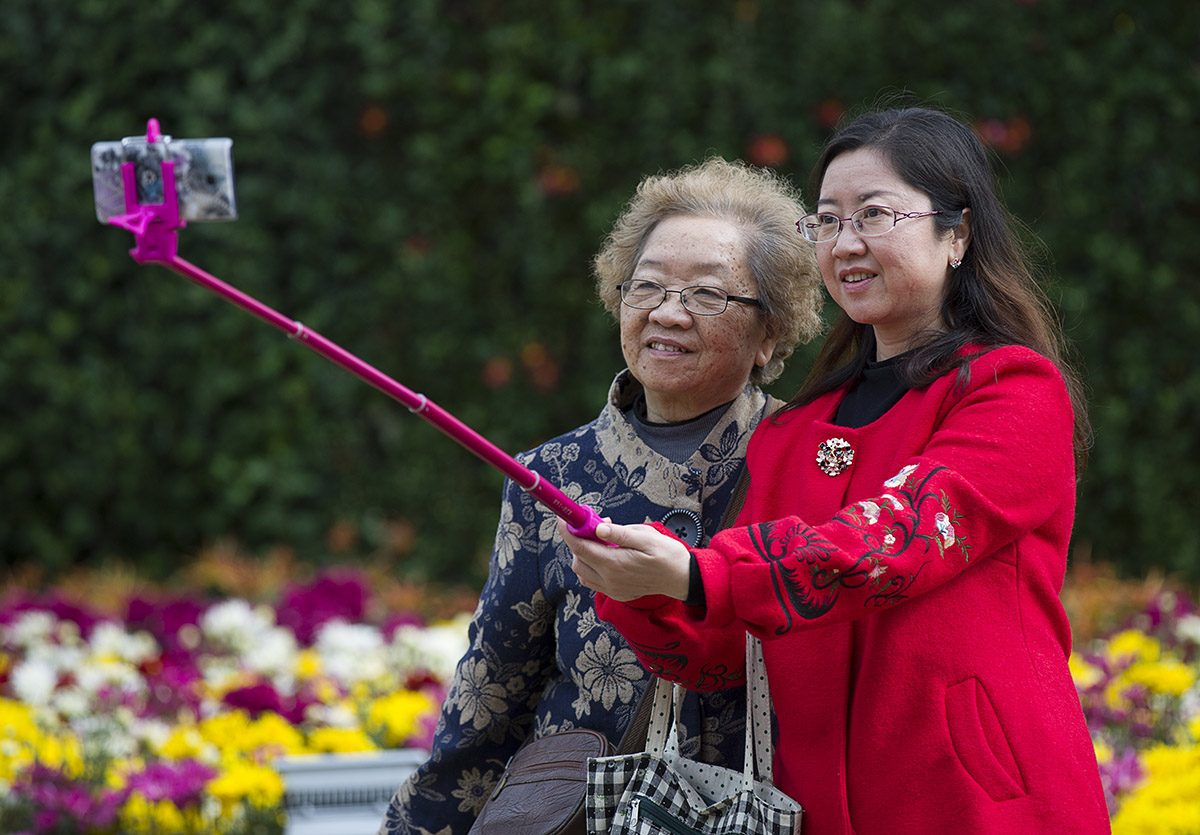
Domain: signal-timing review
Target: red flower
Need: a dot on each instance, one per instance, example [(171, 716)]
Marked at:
[(373, 121), (829, 112), (557, 180), (767, 149), (497, 372), (1009, 137)]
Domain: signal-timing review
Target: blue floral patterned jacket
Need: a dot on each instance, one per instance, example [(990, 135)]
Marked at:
[(540, 660)]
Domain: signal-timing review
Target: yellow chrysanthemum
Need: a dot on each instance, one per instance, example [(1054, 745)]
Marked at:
[(308, 664), (235, 734), (162, 817), (247, 782), (1085, 675), (1104, 751), (61, 752), (1169, 675), (20, 737), (185, 742), (394, 718), (326, 691), (1168, 801), (339, 741), (1132, 645)]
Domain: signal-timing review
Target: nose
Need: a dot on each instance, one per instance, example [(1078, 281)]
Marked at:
[(848, 242), (671, 311)]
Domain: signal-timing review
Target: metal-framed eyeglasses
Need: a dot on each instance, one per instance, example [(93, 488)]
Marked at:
[(869, 221), (699, 299)]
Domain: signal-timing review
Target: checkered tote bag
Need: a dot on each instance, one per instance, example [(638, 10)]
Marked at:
[(659, 792)]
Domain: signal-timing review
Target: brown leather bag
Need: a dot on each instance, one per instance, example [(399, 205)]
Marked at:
[(543, 789)]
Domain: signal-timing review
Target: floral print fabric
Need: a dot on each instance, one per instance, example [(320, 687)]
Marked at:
[(540, 660)]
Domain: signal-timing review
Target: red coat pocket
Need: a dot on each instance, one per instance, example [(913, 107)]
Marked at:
[(979, 741)]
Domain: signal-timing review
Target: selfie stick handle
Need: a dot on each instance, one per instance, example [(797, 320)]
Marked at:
[(155, 227)]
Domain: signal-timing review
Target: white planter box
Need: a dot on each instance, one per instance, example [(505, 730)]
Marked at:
[(343, 794)]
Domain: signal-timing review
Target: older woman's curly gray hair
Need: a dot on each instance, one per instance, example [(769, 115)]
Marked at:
[(765, 207)]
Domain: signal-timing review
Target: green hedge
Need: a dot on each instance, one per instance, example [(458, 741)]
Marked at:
[(425, 183)]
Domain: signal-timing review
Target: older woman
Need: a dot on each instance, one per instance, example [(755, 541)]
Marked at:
[(904, 538), (712, 289)]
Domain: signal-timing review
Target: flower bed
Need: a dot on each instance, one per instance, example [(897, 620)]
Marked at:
[(165, 712), (1140, 693)]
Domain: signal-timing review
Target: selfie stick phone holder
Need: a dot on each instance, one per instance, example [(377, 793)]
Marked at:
[(155, 229)]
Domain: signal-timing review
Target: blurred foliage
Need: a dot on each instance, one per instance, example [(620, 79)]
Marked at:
[(425, 183)]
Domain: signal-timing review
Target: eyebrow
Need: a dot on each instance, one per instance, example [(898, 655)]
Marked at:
[(712, 268), (862, 198)]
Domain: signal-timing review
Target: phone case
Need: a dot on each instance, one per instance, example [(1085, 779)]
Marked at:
[(203, 175), (106, 179), (204, 178)]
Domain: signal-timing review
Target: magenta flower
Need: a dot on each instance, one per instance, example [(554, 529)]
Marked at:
[(174, 622), (397, 619), (334, 595), (259, 698), (57, 802), (182, 782), (58, 606), (1120, 775), (172, 684)]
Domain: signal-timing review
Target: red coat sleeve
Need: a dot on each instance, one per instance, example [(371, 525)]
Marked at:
[(997, 465)]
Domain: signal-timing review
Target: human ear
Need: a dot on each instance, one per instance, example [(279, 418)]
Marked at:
[(961, 238)]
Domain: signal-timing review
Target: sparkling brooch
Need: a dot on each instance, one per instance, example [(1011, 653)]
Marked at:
[(834, 456)]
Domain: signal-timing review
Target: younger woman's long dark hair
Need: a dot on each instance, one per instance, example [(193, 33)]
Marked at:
[(993, 298)]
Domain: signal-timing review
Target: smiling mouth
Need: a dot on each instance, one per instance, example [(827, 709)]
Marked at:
[(857, 278), (659, 346)]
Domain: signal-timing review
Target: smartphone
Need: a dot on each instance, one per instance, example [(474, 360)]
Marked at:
[(203, 175)]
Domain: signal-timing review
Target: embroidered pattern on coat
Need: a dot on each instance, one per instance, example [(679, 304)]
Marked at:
[(891, 532)]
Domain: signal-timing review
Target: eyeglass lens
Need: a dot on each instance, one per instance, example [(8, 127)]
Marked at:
[(868, 221), (700, 299)]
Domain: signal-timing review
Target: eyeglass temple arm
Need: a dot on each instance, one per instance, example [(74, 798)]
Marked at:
[(155, 228)]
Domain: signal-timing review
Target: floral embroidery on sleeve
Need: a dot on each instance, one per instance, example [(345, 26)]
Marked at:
[(892, 533)]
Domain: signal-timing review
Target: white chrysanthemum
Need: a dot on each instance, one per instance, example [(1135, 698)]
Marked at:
[(106, 737), (351, 652), (435, 649), (273, 653), (68, 634), (61, 658), (107, 672), (236, 625), (152, 730), (1188, 628), (71, 702), (33, 681), (29, 629), (337, 715), (110, 640)]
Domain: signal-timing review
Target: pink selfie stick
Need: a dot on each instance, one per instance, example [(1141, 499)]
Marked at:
[(155, 228)]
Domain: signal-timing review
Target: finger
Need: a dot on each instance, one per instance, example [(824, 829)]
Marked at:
[(586, 574), (633, 537)]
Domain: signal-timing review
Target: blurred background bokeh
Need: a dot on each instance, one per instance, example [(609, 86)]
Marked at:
[(425, 183)]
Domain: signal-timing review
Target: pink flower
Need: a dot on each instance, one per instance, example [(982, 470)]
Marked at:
[(259, 698), (333, 595), (180, 782)]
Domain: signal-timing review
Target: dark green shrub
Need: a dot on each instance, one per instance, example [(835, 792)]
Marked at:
[(425, 183)]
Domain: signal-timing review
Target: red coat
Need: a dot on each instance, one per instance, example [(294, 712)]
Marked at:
[(908, 605)]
